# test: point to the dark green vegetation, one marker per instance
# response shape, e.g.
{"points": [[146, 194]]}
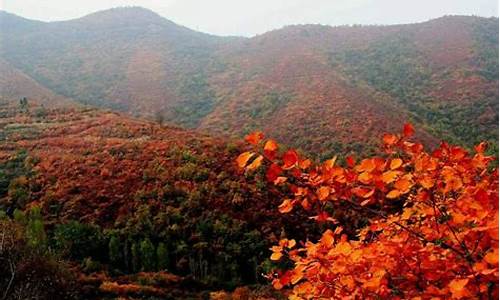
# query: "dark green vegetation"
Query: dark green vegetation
{"points": [[308, 86]]}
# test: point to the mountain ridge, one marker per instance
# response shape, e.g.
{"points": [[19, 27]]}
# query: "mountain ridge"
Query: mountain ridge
{"points": [[305, 84]]}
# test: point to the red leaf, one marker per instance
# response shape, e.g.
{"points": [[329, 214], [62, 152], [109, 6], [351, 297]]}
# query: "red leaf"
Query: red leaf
{"points": [[408, 130], [254, 138], [273, 172], [351, 162], [290, 159]]}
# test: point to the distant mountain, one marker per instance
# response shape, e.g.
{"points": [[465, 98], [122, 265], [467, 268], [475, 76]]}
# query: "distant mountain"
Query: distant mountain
{"points": [[310, 86]]}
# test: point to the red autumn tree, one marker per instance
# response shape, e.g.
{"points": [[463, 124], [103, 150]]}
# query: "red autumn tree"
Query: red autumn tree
{"points": [[442, 242]]}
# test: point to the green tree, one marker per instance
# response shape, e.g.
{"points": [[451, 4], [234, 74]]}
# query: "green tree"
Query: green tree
{"points": [[162, 256], [114, 250], [35, 231], [147, 255], [134, 251]]}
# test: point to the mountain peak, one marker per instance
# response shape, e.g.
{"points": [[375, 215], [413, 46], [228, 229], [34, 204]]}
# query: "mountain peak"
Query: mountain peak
{"points": [[127, 14]]}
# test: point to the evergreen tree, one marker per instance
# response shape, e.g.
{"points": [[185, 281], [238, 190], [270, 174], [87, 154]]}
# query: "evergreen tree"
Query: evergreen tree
{"points": [[147, 255]]}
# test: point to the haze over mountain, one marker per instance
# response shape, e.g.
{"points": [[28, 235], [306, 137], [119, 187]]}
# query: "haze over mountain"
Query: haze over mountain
{"points": [[309, 86]]}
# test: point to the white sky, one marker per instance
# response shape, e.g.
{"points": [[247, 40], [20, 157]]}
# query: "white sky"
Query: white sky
{"points": [[250, 17]]}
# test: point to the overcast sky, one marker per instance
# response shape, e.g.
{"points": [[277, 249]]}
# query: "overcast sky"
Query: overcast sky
{"points": [[250, 17]]}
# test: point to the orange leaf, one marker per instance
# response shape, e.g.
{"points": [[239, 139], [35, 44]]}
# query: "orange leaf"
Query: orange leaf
{"points": [[254, 138], [492, 257], [481, 147], [457, 288], [296, 276], [393, 194], [304, 164], [390, 139], [403, 185], [344, 247], [277, 283], [330, 163], [243, 159], [279, 180], [291, 243], [290, 159], [390, 176], [255, 163], [286, 206], [367, 201], [427, 182], [276, 256], [328, 238], [305, 204], [367, 165], [362, 192], [270, 148], [365, 177], [323, 193], [408, 130], [396, 163]]}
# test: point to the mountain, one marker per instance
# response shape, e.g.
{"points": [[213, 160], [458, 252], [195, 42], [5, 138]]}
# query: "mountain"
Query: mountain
{"points": [[322, 88]]}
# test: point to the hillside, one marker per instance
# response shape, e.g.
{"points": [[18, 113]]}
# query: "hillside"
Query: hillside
{"points": [[16, 85], [310, 86], [105, 181]]}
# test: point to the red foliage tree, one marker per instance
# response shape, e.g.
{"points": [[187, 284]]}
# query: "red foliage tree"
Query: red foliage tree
{"points": [[442, 242]]}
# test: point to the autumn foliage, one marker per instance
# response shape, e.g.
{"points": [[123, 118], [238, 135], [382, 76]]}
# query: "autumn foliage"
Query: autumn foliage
{"points": [[439, 239]]}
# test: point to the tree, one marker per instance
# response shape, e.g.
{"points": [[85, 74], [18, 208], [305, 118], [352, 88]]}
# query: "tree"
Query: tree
{"points": [[134, 251], [114, 250], [159, 118], [162, 256], [35, 231], [434, 226], [23, 104], [147, 255]]}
